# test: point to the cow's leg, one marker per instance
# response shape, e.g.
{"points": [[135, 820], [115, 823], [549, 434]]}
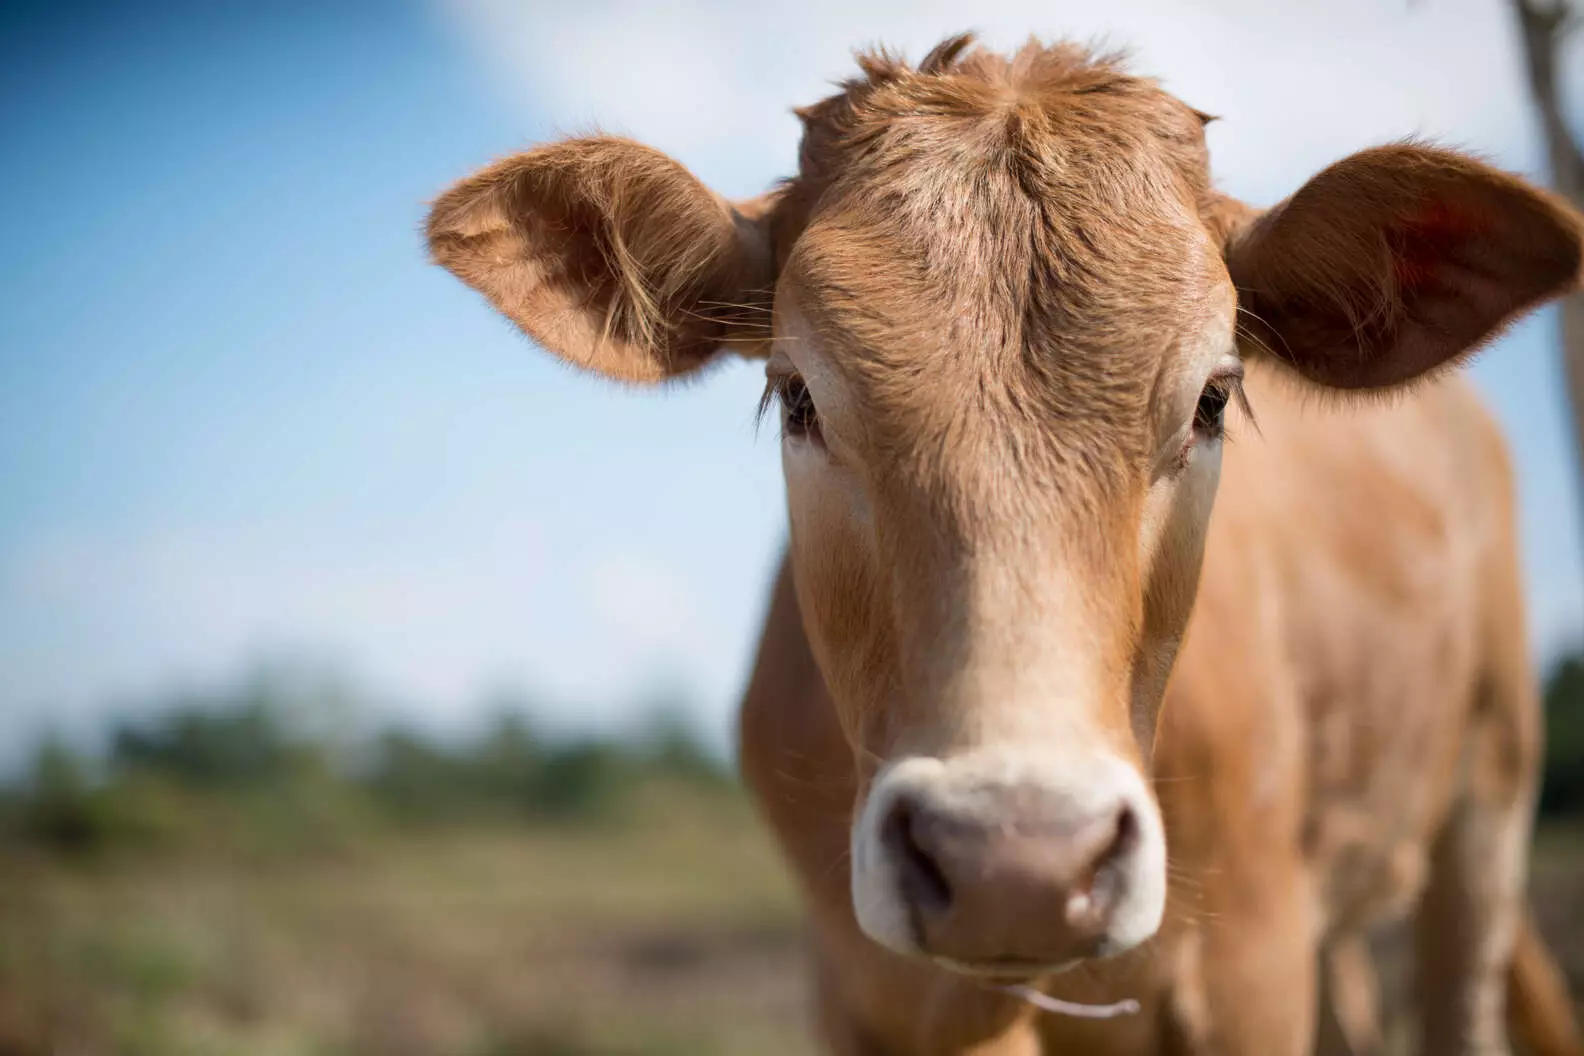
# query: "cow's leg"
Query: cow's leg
{"points": [[1253, 987], [1468, 923], [1349, 1007], [1473, 904], [1539, 1010]]}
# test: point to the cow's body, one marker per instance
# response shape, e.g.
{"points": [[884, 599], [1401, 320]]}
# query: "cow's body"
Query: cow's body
{"points": [[1005, 313], [1354, 672]]}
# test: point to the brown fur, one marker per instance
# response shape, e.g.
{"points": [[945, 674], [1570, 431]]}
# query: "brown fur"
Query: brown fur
{"points": [[629, 267], [1004, 281]]}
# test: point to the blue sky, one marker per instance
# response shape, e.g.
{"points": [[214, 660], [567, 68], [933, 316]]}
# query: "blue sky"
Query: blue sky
{"points": [[241, 417]]}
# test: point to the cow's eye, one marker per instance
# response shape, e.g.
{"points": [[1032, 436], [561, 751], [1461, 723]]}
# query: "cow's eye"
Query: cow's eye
{"points": [[1210, 415], [798, 415]]}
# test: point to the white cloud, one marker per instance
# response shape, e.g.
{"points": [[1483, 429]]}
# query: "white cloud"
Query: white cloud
{"points": [[430, 617], [640, 598], [1298, 84]]}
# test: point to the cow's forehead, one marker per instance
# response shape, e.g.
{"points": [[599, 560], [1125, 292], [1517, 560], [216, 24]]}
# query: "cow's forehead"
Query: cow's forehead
{"points": [[1020, 235], [977, 322]]}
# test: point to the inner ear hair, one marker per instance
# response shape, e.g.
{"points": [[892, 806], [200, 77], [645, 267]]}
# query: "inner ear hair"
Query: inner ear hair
{"points": [[612, 256], [1396, 263]]}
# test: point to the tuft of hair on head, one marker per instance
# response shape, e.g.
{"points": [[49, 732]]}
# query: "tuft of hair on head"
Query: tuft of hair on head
{"points": [[943, 56]]}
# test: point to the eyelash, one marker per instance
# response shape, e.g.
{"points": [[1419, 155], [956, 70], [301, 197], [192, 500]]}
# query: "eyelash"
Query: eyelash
{"points": [[1210, 413], [799, 416]]}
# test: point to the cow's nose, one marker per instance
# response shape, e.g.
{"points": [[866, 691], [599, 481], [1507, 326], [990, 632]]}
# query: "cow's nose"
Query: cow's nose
{"points": [[1019, 881]]}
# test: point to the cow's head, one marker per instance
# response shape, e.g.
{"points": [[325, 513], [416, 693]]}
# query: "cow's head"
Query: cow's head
{"points": [[1005, 317]]}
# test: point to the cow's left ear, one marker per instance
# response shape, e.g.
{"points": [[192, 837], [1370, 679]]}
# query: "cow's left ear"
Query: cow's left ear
{"points": [[1397, 261]]}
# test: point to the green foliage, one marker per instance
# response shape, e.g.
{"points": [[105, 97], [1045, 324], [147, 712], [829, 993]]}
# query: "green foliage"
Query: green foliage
{"points": [[672, 746], [585, 778], [415, 778], [511, 770], [1562, 791], [221, 744], [60, 806], [244, 767]]}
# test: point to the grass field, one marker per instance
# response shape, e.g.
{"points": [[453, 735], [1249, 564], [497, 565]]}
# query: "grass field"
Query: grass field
{"points": [[669, 931]]}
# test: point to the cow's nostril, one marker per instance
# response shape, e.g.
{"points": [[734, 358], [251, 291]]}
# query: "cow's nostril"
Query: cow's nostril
{"points": [[924, 886], [1127, 835], [1092, 897]]}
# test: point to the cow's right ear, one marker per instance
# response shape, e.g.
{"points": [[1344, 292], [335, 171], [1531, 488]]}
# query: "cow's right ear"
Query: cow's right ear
{"points": [[612, 256], [1396, 263]]}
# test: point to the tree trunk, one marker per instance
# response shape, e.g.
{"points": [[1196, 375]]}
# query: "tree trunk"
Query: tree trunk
{"points": [[1544, 23]]}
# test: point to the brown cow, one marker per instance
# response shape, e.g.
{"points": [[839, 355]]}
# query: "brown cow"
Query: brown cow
{"points": [[1008, 320]]}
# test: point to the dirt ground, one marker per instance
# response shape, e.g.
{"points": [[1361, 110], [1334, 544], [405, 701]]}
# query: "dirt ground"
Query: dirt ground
{"points": [[677, 934]]}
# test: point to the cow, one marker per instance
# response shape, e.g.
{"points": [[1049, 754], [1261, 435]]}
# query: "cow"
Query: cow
{"points": [[1033, 726]]}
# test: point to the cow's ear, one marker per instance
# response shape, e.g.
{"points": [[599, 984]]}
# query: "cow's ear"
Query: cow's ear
{"points": [[612, 256], [1395, 262]]}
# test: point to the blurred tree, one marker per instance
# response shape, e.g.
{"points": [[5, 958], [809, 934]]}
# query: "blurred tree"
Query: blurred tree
{"points": [[232, 739], [257, 761], [415, 778], [508, 758], [60, 807], [1562, 791], [1544, 26], [583, 778], [673, 746]]}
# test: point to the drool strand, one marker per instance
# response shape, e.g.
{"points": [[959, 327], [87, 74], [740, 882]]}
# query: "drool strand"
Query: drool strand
{"points": [[1070, 1008]]}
